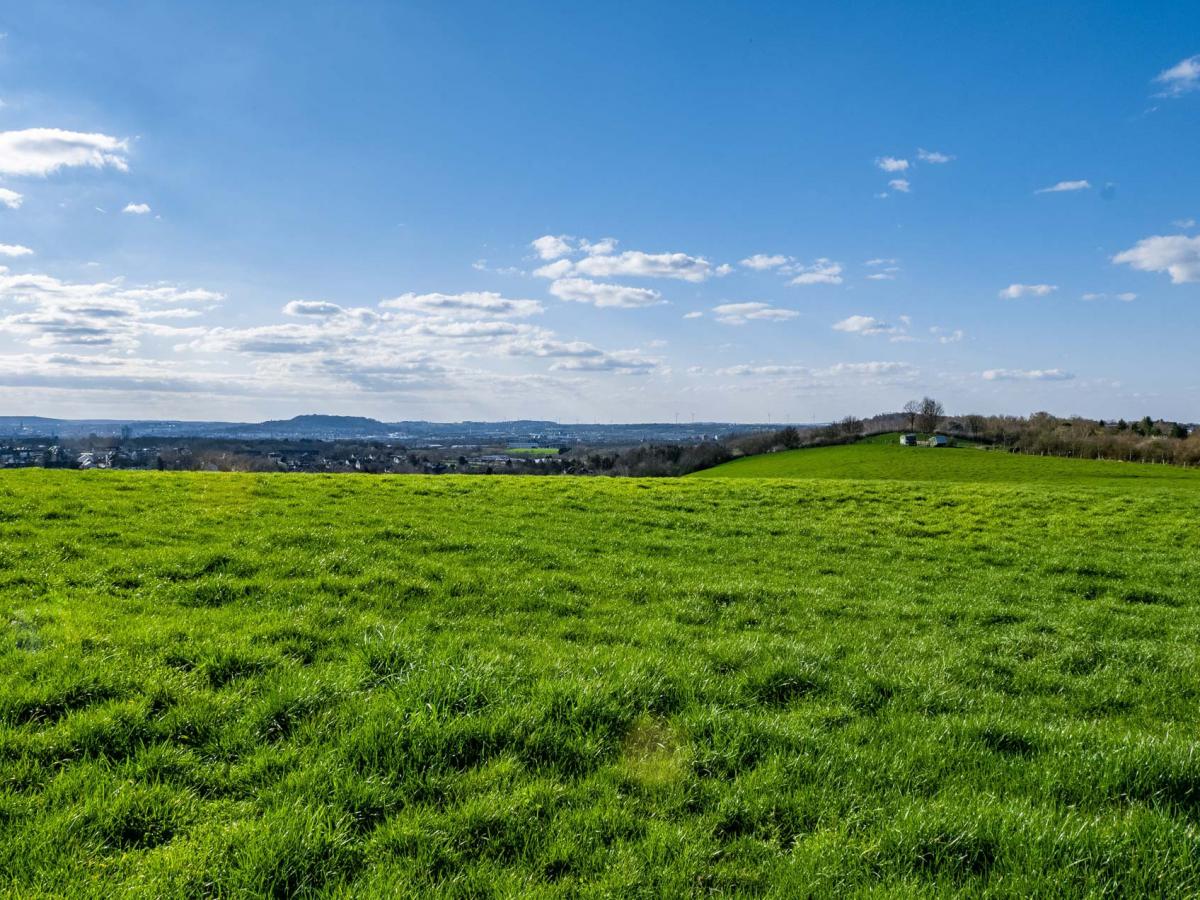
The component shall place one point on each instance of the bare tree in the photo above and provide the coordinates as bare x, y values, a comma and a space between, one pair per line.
930, 415
912, 409
851, 425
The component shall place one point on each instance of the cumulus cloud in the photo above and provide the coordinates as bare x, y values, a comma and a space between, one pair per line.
932, 156
550, 246
318, 308
900, 184
14, 250
741, 313
600, 247
1065, 186
11, 199
1176, 254
763, 261
484, 303
822, 271
635, 263
102, 315
869, 325
1184, 223
1027, 375
466, 330
1181, 78
43, 151
695, 314
136, 209
580, 356
566, 255
583, 290
622, 362
861, 325
266, 339
1015, 291
892, 164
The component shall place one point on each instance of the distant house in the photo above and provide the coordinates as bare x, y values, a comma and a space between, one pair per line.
939, 440
908, 440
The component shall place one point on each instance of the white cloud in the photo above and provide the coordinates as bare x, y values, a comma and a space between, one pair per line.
11, 199
104, 315
695, 314
635, 263
42, 151
600, 260
868, 325
316, 308
1127, 296
600, 247
1015, 291
1063, 186
1181, 78
582, 290
484, 303
741, 313
900, 184
548, 347
137, 209
946, 336
1175, 254
468, 330
840, 374
871, 369
557, 269
14, 250
822, 271
1184, 223
881, 261
1027, 375
550, 246
932, 156
892, 164
622, 362
580, 356
762, 261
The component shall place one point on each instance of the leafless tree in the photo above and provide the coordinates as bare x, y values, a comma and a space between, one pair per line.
851, 425
930, 415
912, 409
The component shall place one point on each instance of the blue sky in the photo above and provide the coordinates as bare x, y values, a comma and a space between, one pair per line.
634, 212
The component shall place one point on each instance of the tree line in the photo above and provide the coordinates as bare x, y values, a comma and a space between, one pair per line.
1147, 440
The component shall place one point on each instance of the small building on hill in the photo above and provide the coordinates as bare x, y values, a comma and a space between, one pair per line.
908, 440
939, 440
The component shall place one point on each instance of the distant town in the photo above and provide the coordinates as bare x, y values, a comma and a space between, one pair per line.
321, 443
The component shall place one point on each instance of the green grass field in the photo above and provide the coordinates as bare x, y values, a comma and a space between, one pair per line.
275, 685
882, 457
532, 451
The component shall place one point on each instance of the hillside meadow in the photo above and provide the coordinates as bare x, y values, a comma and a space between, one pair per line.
882, 457
271, 685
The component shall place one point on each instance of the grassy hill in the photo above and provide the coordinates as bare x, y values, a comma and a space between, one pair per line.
882, 457
241, 685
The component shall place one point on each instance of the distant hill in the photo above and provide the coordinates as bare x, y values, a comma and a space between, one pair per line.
315, 422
